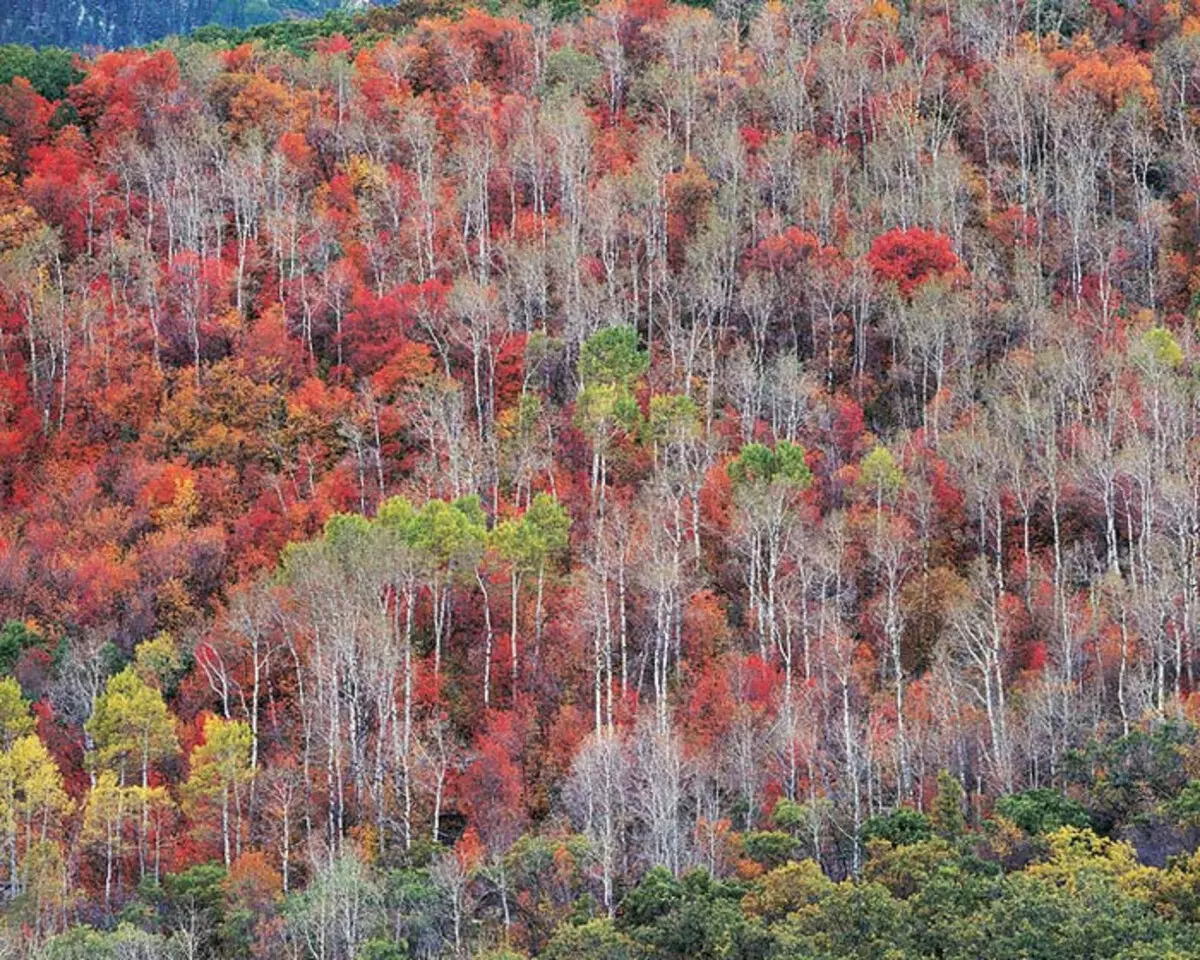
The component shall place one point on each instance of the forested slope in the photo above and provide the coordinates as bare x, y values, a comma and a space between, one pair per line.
117, 23
656, 482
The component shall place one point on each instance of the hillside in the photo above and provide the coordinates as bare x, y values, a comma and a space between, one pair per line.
641, 481
117, 23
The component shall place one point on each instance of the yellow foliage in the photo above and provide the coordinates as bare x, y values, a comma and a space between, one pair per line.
786, 890
1076, 852
884, 12
184, 506
365, 174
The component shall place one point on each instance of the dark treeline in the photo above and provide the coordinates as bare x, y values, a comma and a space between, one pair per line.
110, 24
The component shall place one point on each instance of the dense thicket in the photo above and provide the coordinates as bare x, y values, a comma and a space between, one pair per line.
451, 473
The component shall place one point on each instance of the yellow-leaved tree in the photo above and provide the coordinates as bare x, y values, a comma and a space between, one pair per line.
218, 781
32, 799
132, 731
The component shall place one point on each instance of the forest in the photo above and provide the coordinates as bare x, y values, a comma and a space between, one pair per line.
630, 481
105, 24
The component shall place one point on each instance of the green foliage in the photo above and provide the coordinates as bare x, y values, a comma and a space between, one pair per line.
940, 891
532, 858
1038, 919
379, 949
398, 515
347, 887
856, 921
900, 828
551, 870
947, 813
199, 888
196, 901
411, 894
655, 897
86, 943
1042, 811
538, 536
77, 943
879, 473
1090, 899
345, 534
159, 663
674, 417
15, 639
49, 70
31, 785
786, 890
450, 534
1130, 778
1158, 350
604, 408
569, 71
222, 761
1185, 808
131, 724
695, 917
593, 940
787, 814
757, 464
770, 848
551, 523
262, 24
612, 357
906, 869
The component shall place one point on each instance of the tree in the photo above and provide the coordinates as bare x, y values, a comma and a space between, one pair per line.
133, 730
879, 474
254, 892
338, 912
15, 639
695, 916
1042, 811
43, 874
50, 70
220, 773
104, 826
131, 726
767, 482
193, 904
32, 802
910, 257
15, 719
158, 663
787, 889
597, 796
594, 940
947, 814
1041, 919
527, 545
857, 921
610, 363
452, 537
900, 828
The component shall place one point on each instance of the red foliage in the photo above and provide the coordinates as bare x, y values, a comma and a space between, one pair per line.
492, 787
909, 257
24, 120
